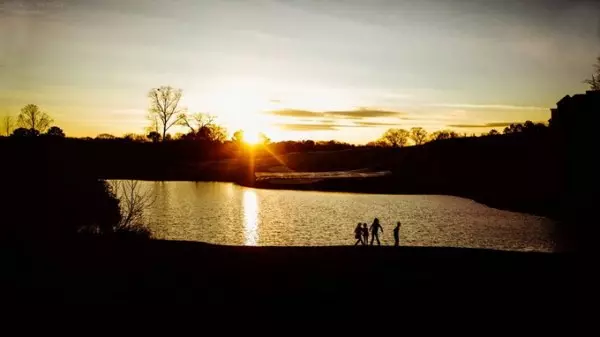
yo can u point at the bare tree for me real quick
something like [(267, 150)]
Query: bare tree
[(32, 118), (395, 137), (164, 108), (594, 82), (197, 121), (7, 125), (204, 127), (133, 203), (153, 127), (418, 135)]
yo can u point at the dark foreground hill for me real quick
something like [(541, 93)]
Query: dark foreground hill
[(123, 270)]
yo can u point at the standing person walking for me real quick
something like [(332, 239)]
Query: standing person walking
[(397, 234), (358, 235), (375, 228), (365, 233)]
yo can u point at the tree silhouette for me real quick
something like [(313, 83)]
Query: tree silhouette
[(203, 127), (164, 109), (238, 137), (513, 128), (395, 137), (594, 82), (154, 136), (55, 131), (23, 132), (528, 125), (443, 134), (7, 125), (31, 117), (216, 133), (132, 137), (418, 135), (105, 136), (493, 132), (378, 143)]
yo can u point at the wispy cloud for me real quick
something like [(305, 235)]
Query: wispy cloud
[(488, 106), (374, 124), (343, 114), (296, 113), (306, 127), (364, 113), (485, 125), (332, 125)]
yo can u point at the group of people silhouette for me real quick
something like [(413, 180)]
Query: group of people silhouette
[(361, 233)]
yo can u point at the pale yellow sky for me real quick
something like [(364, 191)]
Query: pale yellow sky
[(459, 65)]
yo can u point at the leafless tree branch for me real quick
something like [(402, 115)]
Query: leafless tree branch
[(133, 202), (7, 125), (164, 108), (32, 118)]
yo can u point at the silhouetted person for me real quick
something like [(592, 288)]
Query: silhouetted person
[(358, 234), (397, 234), (365, 233), (375, 227)]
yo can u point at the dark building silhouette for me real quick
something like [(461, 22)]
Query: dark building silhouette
[(576, 113), (575, 122)]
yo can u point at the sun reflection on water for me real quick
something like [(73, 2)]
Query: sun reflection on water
[(250, 206)]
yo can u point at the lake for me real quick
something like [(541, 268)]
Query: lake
[(225, 213)]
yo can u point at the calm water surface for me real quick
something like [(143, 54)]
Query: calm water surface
[(226, 213)]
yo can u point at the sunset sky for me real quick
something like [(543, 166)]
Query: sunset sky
[(344, 70)]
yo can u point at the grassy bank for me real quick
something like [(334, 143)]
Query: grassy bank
[(100, 270)]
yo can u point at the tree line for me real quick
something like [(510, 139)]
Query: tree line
[(32, 121), (420, 136)]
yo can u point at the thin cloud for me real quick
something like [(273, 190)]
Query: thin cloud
[(373, 124), (342, 114), (363, 113), (306, 127), (489, 106), (296, 113), (326, 121), (486, 125), (330, 126)]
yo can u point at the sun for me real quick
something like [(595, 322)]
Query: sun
[(251, 137)]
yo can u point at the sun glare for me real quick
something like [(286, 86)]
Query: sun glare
[(251, 137)]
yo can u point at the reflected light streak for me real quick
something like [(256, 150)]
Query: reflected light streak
[(250, 206)]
